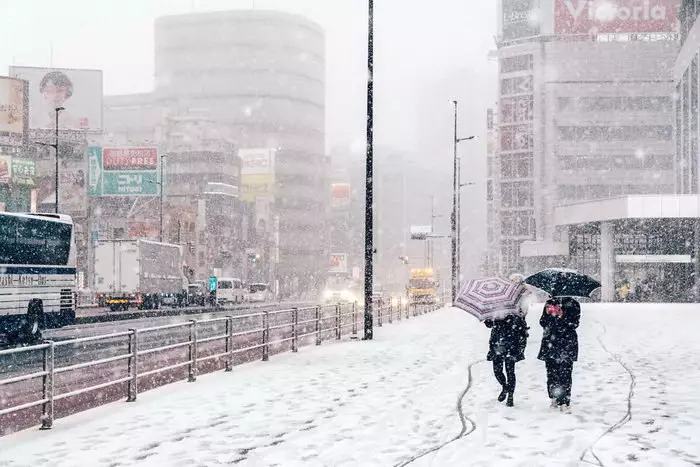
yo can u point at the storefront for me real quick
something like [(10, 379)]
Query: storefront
[(641, 248)]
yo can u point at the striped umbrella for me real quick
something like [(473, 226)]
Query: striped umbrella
[(490, 298)]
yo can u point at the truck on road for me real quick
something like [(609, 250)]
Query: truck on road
[(422, 287), (137, 273)]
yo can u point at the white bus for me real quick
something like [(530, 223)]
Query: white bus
[(37, 275)]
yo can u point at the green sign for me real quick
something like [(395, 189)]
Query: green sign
[(116, 172), (94, 171), (130, 183)]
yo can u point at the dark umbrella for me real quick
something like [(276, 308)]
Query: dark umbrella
[(563, 283)]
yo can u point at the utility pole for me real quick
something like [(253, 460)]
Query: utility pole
[(456, 186), (453, 219), (58, 109), (369, 179)]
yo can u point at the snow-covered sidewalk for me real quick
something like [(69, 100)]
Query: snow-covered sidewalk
[(636, 401)]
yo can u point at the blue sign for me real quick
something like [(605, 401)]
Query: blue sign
[(212, 284)]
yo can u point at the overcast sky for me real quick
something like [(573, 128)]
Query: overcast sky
[(416, 41), (427, 53)]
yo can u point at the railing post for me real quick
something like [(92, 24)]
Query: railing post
[(192, 376), (229, 343), (318, 325), (133, 365), (48, 389), (408, 310), (295, 332), (379, 313), (354, 318), (337, 321), (266, 336), (399, 310), (391, 311)]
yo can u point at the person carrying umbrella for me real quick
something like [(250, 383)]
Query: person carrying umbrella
[(559, 348), (507, 345)]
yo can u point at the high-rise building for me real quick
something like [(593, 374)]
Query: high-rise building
[(259, 78), (585, 112)]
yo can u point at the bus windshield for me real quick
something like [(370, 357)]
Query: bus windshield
[(420, 283), (32, 241)]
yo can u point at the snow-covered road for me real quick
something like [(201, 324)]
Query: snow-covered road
[(636, 401)]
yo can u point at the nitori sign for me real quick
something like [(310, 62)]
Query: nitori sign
[(615, 16)]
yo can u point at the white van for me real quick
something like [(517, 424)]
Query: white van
[(230, 290)]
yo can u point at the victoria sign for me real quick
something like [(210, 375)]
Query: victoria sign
[(615, 16)]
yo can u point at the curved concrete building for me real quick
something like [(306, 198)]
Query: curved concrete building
[(260, 75)]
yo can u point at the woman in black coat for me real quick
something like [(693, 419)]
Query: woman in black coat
[(506, 347), (559, 349)]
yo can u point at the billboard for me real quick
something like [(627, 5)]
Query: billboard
[(615, 16), (23, 171), (14, 109), (257, 173), (340, 195), (338, 263), (521, 18), (78, 91), (123, 171), (5, 169)]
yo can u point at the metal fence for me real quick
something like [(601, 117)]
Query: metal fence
[(127, 362)]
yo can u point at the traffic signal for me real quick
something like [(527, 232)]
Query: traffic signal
[(254, 258), (404, 259)]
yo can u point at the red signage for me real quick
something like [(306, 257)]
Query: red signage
[(615, 16), (130, 158)]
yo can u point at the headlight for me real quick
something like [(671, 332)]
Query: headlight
[(327, 294), (394, 301), (346, 295)]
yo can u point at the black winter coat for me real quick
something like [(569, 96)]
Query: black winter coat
[(508, 338), (560, 339)]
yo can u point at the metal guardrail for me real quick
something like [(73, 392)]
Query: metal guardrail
[(299, 324)]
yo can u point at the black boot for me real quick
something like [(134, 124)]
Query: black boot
[(502, 395), (509, 403)]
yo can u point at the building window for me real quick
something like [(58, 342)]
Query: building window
[(489, 190), (624, 162), (514, 138), (516, 194), (517, 85), (518, 165), (615, 133), (518, 63), (517, 223), (516, 109), (615, 104)]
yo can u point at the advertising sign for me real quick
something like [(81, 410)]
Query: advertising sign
[(615, 16), (72, 186), (78, 91), (5, 169), (123, 171), (257, 173), (420, 232), (340, 195), (338, 263), (13, 110), (521, 18), (23, 171)]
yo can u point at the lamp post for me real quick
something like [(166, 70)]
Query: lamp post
[(55, 147), (454, 218), (369, 181)]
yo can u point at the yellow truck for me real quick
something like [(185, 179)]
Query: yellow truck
[(422, 287)]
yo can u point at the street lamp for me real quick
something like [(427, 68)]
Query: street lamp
[(55, 146), (369, 181), (161, 186), (456, 186)]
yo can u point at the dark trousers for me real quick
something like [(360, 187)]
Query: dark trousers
[(506, 380), (559, 380)]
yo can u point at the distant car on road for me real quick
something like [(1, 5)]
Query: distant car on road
[(259, 293), (230, 291)]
